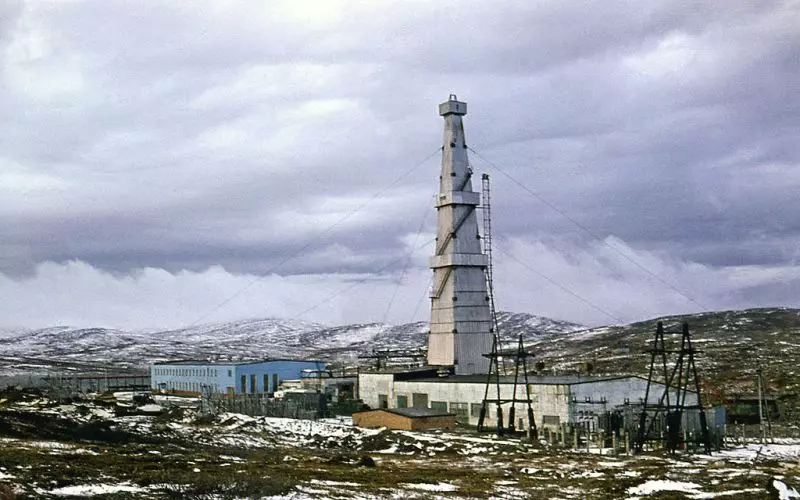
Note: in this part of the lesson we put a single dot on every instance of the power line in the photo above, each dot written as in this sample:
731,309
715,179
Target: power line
361,281
425,293
405,264
313,240
589,231
562,287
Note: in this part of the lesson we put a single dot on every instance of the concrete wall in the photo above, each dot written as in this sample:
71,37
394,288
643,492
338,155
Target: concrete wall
450,393
371,385
553,404
223,378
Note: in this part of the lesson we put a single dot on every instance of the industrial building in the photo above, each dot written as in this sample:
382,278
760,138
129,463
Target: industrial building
459,377
251,377
556,400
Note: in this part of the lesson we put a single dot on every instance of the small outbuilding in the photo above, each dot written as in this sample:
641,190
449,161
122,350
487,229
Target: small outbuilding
405,419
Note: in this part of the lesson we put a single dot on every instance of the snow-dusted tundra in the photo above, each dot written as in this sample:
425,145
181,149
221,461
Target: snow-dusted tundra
85,449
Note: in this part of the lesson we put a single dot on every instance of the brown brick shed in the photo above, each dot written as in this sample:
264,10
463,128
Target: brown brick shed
406,419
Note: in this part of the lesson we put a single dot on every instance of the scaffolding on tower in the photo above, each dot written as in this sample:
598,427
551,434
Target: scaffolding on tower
498,355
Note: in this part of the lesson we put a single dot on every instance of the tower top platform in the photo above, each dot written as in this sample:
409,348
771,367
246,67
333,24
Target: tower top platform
453,106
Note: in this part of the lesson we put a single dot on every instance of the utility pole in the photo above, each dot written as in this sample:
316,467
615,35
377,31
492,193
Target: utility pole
763,407
760,407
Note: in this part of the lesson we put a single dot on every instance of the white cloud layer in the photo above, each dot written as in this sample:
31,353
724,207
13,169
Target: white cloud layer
607,286
160,157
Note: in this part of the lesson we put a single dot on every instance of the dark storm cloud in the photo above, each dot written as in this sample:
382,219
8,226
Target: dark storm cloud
179,138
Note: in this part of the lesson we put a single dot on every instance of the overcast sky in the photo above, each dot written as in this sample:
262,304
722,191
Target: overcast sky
166,163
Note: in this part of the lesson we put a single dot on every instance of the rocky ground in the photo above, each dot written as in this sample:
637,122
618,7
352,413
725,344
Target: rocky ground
112,448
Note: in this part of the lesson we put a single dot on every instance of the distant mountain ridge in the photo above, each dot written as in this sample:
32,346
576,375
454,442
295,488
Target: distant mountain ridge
732,345
78,349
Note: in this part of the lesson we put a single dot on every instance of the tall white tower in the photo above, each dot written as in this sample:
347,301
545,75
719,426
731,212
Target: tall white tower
461,323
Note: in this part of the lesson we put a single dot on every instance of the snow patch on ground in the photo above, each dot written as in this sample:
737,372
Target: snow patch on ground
438,487
785,492
88,490
333,483
654,486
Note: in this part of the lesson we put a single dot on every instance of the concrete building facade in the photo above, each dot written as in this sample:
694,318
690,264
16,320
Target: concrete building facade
461,324
555,400
232,378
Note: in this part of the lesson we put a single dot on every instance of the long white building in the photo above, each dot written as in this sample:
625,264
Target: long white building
555,400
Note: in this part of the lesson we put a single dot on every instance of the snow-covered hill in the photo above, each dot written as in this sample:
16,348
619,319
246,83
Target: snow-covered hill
733,345
78,349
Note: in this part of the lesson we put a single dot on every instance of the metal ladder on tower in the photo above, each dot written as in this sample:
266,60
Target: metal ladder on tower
487,246
497,356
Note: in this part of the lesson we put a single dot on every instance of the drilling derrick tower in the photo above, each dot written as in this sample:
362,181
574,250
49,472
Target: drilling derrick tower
461,321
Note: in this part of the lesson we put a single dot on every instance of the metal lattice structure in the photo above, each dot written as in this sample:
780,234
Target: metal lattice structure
520,356
663,421
763,408
383,358
497,356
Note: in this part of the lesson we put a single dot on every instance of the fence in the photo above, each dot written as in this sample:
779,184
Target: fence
293,405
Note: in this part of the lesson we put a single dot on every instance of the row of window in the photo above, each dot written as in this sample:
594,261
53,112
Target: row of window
265,387
463,411
419,400
190,372
177,385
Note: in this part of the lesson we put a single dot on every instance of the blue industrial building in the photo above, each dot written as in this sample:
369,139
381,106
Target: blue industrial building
231,377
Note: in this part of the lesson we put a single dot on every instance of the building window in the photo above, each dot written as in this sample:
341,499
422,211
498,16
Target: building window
475,409
402,401
439,405
275,382
243,385
419,400
461,410
551,420
253,384
230,373
266,382
383,401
